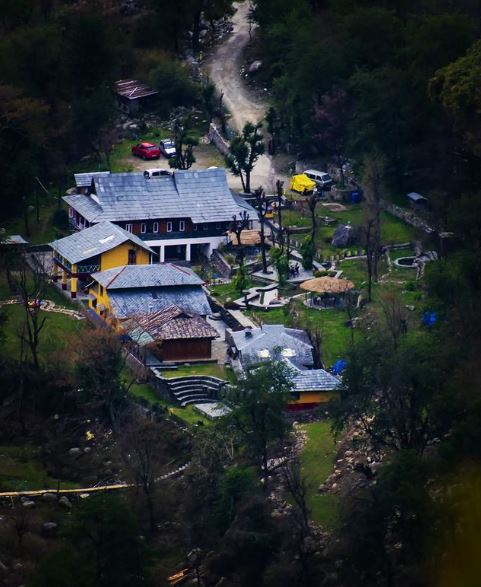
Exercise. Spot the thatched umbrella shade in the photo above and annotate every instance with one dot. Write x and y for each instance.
(327, 285)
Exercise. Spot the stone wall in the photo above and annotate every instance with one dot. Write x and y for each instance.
(221, 264)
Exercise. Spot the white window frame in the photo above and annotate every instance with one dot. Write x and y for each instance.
(155, 227)
(169, 226)
(70, 212)
(181, 225)
(143, 227)
(129, 227)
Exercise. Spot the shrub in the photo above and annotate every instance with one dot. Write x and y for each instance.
(60, 219)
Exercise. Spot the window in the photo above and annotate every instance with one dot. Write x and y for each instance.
(194, 227)
(70, 212)
(128, 227)
(143, 228)
(132, 257)
(101, 289)
(155, 227)
(205, 227)
(217, 226)
(169, 226)
(181, 225)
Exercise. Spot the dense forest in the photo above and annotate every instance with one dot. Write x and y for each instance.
(351, 82)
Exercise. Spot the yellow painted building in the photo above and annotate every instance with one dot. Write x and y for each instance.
(100, 247)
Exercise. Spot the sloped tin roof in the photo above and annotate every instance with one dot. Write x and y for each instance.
(140, 276)
(93, 241)
(202, 195)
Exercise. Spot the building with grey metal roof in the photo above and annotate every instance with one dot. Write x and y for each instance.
(181, 210)
(94, 241)
(276, 342)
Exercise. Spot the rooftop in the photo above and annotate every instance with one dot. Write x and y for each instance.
(171, 323)
(142, 276)
(202, 195)
(132, 89)
(94, 241)
(84, 180)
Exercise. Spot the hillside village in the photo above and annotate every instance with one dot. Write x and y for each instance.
(239, 296)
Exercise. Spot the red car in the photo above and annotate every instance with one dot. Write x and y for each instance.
(146, 151)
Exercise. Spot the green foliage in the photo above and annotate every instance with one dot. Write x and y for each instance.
(236, 482)
(244, 151)
(185, 139)
(102, 548)
(281, 263)
(174, 87)
(308, 250)
(241, 279)
(60, 219)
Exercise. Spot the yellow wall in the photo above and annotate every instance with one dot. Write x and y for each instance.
(120, 256)
(314, 397)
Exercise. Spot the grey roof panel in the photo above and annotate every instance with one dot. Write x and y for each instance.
(190, 298)
(94, 241)
(314, 380)
(139, 276)
(202, 195)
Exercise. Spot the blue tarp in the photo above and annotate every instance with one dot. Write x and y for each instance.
(339, 366)
(429, 318)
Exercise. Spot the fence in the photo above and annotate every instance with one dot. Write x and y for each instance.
(215, 137)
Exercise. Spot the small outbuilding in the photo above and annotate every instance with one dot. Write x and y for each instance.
(172, 335)
(133, 95)
(417, 201)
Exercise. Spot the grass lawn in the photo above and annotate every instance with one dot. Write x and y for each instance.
(210, 369)
(21, 470)
(317, 460)
(224, 292)
(56, 335)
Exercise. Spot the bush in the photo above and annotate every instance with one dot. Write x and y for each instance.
(174, 86)
(60, 219)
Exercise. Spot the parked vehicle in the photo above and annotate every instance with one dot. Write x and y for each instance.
(146, 151)
(167, 148)
(148, 173)
(302, 184)
(322, 179)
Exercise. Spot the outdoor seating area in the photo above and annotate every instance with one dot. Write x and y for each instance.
(326, 292)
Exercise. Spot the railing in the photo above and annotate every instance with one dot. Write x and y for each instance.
(196, 234)
(88, 268)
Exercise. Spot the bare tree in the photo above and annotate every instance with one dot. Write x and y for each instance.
(280, 194)
(373, 184)
(19, 518)
(237, 225)
(316, 340)
(394, 316)
(262, 206)
(29, 284)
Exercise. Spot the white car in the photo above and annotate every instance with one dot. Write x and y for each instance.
(148, 173)
(322, 179)
(167, 148)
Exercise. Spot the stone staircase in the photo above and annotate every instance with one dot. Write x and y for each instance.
(200, 389)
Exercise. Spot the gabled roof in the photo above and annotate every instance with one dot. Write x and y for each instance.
(93, 241)
(133, 302)
(172, 323)
(314, 380)
(202, 195)
(261, 343)
(132, 89)
(141, 276)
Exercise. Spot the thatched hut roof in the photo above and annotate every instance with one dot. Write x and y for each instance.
(248, 238)
(327, 285)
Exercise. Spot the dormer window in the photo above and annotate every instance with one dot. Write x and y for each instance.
(143, 228)
(128, 227)
(169, 226)
(155, 228)
(181, 225)
(194, 227)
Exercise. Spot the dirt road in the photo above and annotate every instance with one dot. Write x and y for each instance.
(223, 68)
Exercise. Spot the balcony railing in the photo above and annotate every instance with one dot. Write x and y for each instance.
(200, 234)
(88, 268)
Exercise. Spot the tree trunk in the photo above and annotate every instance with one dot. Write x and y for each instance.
(263, 247)
(196, 32)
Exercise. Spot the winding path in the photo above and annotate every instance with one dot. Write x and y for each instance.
(223, 68)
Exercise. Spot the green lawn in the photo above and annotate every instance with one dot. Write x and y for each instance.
(224, 292)
(210, 369)
(317, 460)
(21, 470)
(56, 335)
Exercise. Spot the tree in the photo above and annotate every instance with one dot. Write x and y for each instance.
(308, 249)
(262, 206)
(241, 280)
(244, 151)
(280, 202)
(258, 402)
(29, 285)
(456, 88)
(373, 184)
(237, 225)
(99, 365)
(185, 140)
(331, 116)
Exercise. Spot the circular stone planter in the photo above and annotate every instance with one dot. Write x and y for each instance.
(406, 262)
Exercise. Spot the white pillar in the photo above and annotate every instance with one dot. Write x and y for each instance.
(187, 252)
(162, 254)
